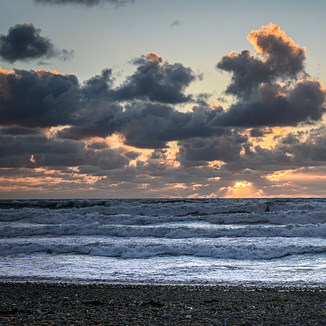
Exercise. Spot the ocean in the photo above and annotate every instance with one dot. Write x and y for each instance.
(165, 241)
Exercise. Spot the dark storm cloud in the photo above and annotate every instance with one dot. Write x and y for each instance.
(42, 99)
(45, 99)
(99, 85)
(156, 81)
(141, 108)
(14, 131)
(84, 2)
(306, 148)
(272, 87)
(37, 98)
(146, 124)
(277, 106)
(152, 125)
(24, 42)
(247, 72)
(198, 151)
(99, 115)
(279, 58)
(295, 150)
(290, 139)
(37, 150)
(17, 151)
(282, 55)
(258, 132)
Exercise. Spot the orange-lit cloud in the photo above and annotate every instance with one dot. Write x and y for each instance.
(154, 57)
(268, 38)
(300, 175)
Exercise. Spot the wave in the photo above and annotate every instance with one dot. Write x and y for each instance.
(173, 231)
(51, 204)
(226, 249)
(185, 206)
(156, 215)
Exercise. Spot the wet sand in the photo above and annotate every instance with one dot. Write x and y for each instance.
(44, 303)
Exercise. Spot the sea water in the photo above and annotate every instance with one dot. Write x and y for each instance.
(210, 241)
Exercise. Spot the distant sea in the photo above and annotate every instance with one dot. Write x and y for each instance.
(186, 241)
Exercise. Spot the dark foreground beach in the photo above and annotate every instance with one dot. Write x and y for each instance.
(41, 303)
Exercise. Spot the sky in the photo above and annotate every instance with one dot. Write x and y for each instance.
(162, 99)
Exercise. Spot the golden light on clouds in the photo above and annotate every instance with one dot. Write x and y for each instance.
(44, 180)
(154, 57)
(214, 179)
(216, 164)
(6, 72)
(42, 72)
(298, 175)
(272, 30)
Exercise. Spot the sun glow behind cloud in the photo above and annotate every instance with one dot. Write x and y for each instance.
(241, 189)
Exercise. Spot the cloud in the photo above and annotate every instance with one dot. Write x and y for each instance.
(151, 125)
(278, 105)
(88, 3)
(130, 139)
(278, 58)
(52, 121)
(175, 23)
(34, 151)
(282, 54)
(271, 87)
(24, 42)
(199, 151)
(38, 98)
(156, 81)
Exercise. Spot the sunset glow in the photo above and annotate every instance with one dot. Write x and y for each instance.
(236, 111)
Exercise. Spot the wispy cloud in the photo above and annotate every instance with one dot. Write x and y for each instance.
(176, 23)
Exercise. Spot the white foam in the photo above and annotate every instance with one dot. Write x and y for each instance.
(165, 230)
(229, 234)
(226, 248)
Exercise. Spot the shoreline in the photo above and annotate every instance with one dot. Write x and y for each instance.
(65, 303)
(244, 284)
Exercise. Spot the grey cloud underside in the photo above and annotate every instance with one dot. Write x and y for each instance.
(84, 2)
(198, 151)
(38, 99)
(24, 42)
(16, 151)
(305, 102)
(43, 99)
(157, 83)
(291, 152)
(278, 59)
(270, 89)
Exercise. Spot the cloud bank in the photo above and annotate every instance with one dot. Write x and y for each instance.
(132, 138)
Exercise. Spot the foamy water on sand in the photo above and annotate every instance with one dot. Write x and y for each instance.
(273, 241)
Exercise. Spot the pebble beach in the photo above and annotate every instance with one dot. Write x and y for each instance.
(46, 303)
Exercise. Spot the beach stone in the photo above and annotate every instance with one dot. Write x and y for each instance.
(113, 304)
